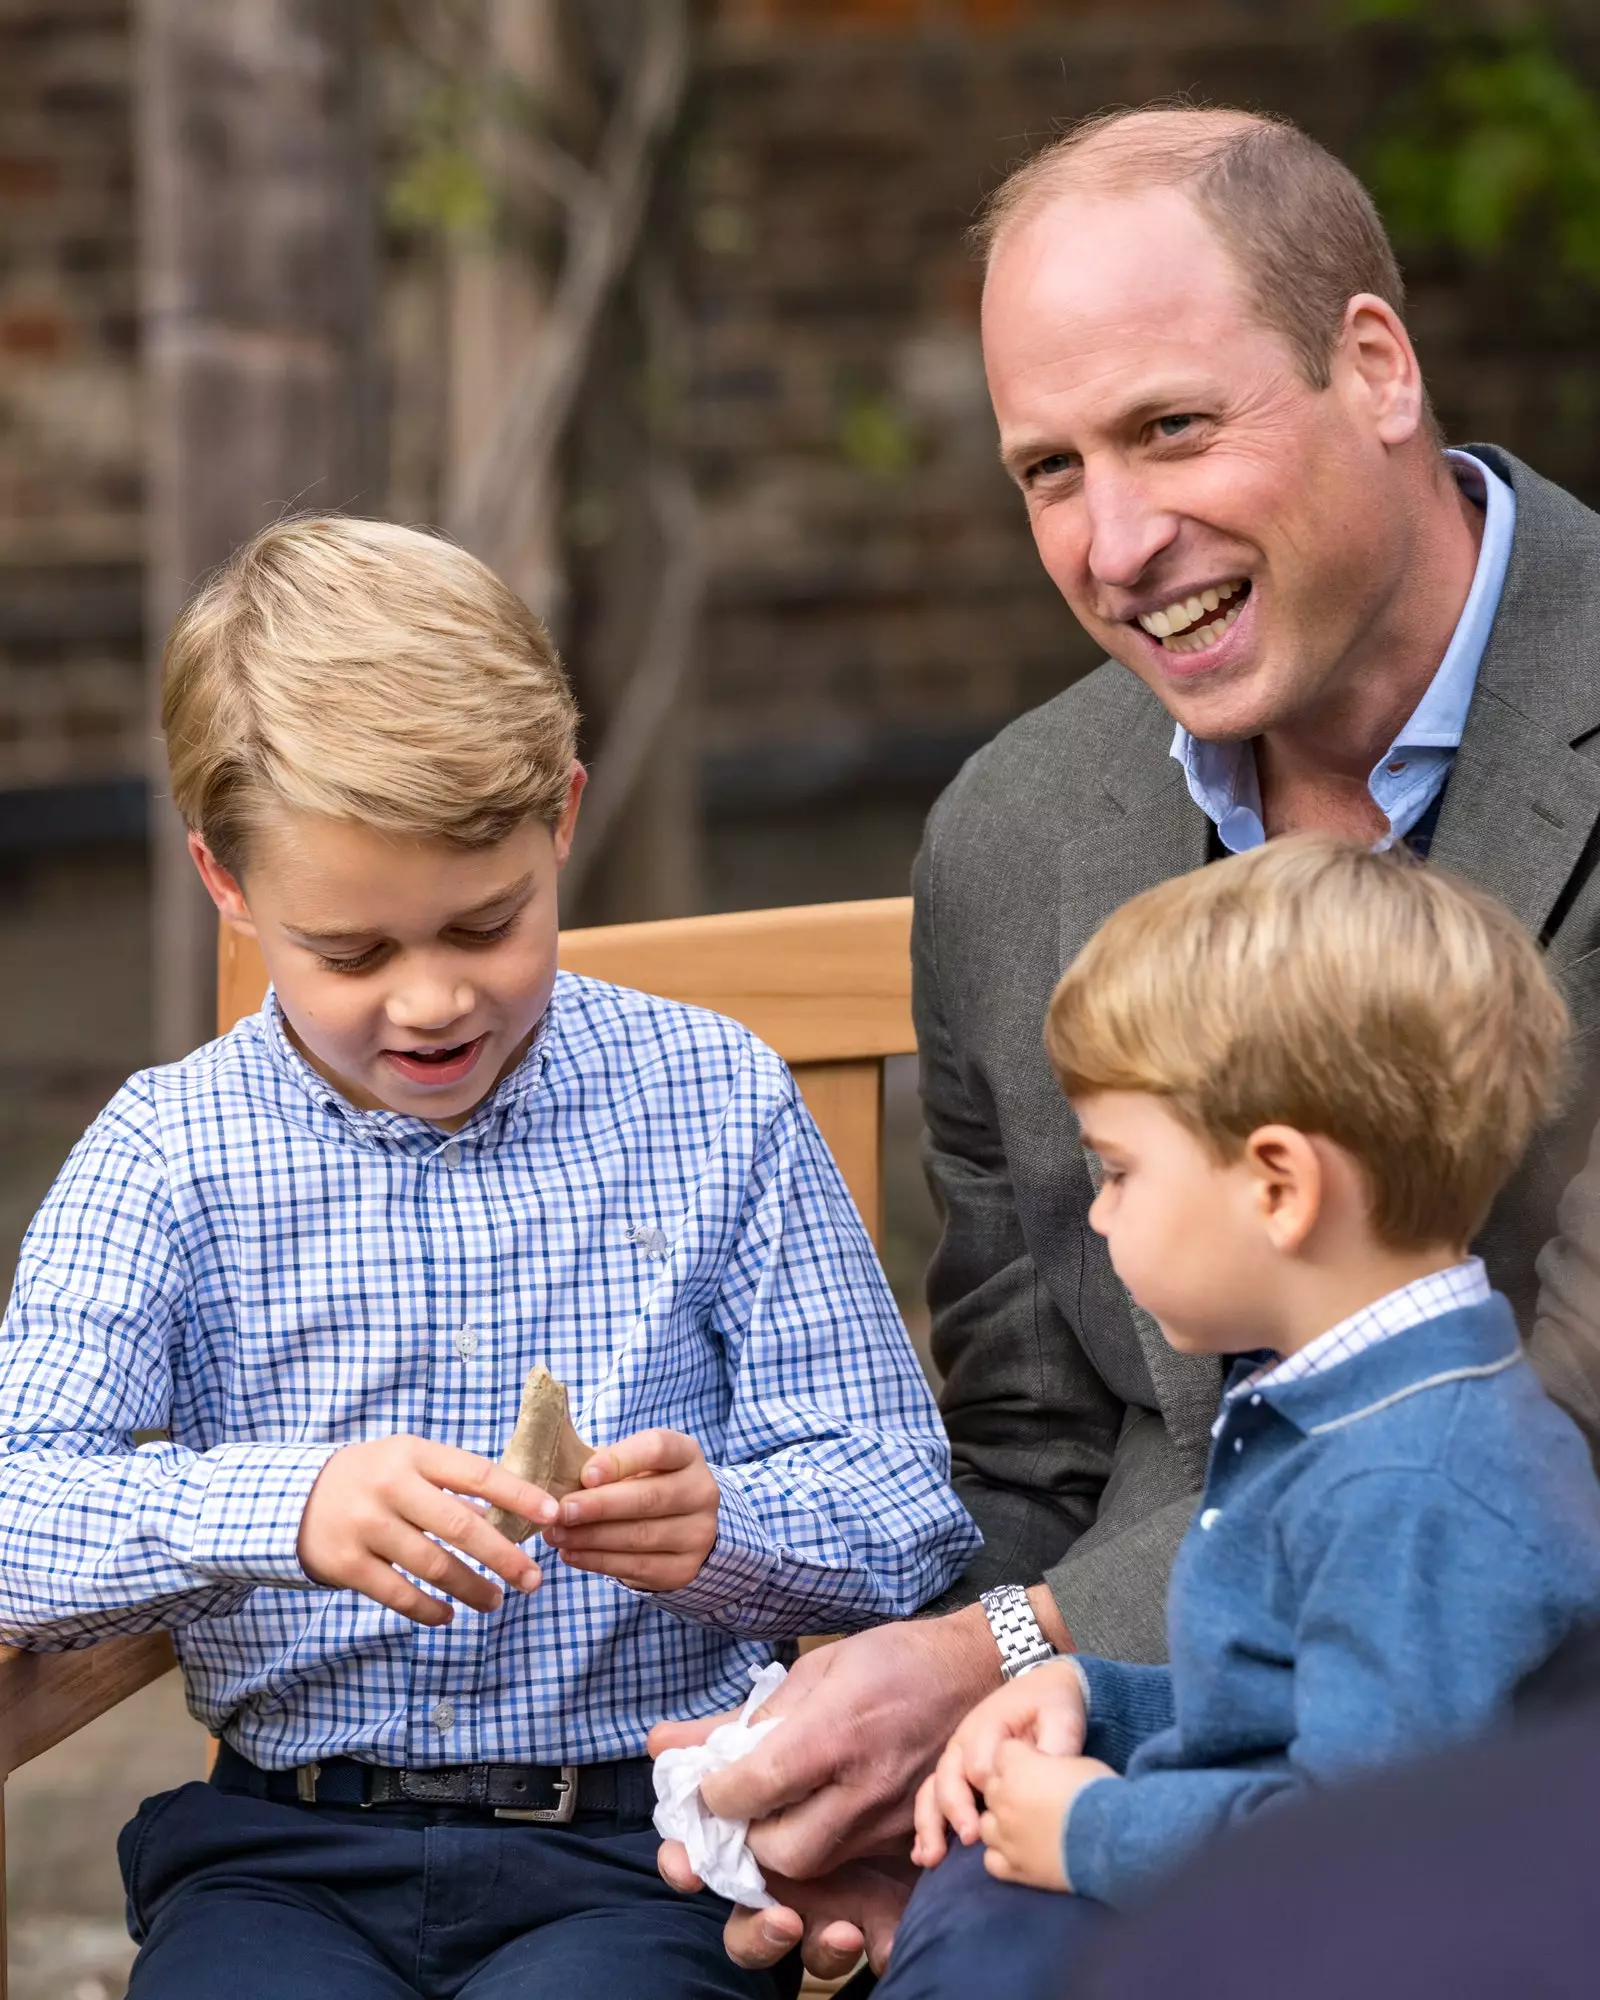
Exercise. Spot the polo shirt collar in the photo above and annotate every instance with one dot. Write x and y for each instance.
(1457, 1346)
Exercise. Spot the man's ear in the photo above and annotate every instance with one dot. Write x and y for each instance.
(1381, 366)
(1287, 1176)
(221, 887)
(561, 833)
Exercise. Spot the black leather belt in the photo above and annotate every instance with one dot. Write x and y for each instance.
(540, 1794)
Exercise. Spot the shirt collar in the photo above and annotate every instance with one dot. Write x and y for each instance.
(1462, 1342)
(489, 1122)
(1222, 776)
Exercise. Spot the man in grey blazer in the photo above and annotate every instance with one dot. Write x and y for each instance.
(1314, 618)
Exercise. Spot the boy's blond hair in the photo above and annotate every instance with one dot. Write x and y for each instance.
(366, 672)
(1356, 995)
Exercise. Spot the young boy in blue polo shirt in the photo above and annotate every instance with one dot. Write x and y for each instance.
(322, 1254)
(1306, 1072)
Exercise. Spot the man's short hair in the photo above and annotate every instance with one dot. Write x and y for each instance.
(1351, 994)
(366, 672)
(1299, 225)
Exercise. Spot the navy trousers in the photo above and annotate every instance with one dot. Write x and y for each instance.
(250, 1900)
(965, 1935)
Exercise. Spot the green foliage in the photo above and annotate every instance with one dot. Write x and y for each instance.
(1499, 146)
(875, 437)
(440, 184)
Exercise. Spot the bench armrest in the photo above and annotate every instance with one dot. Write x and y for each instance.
(46, 1697)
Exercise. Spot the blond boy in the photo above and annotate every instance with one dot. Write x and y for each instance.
(1305, 1072)
(321, 1255)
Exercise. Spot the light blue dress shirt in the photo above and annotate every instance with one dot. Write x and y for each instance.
(1411, 773)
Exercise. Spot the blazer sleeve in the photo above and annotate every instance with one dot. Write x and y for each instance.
(1030, 1465)
(1564, 1345)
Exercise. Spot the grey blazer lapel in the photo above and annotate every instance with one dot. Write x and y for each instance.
(1151, 830)
(1522, 803)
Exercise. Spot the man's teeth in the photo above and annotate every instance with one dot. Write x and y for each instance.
(1177, 625)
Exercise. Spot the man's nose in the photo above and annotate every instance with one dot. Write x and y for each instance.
(424, 1001)
(1127, 528)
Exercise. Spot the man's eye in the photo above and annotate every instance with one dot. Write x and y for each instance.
(1174, 426)
(1047, 468)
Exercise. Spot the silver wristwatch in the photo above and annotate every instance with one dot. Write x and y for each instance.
(1016, 1631)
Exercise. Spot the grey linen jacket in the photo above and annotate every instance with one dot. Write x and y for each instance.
(1079, 1437)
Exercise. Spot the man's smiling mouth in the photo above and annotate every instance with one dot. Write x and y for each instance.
(1191, 624)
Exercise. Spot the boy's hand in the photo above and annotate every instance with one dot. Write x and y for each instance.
(648, 1515)
(1026, 1801)
(376, 1507)
(1043, 1708)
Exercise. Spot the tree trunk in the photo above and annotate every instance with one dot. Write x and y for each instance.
(258, 244)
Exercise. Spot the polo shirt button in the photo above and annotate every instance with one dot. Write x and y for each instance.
(444, 1716)
(467, 1342)
(1255, 1402)
(1210, 1518)
(1238, 1444)
(451, 1155)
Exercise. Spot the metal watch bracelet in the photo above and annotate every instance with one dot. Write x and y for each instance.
(1022, 1644)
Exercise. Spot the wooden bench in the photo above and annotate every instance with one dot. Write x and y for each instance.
(828, 986)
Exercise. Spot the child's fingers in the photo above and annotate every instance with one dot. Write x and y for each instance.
(422, 1505)
(628, 1499)
(928, 1848)
(954, 1794)
(1058, 1732)
(998, 1866)
(671, 1537)
(645, 1451)
(422, 1557)
(375, 1579)
(453, 1471)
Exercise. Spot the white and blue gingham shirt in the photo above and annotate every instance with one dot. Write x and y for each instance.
(1451, 1290)
(236, 1256)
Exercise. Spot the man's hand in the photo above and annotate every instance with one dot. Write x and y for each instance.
(377, 1507)
(648, 1515)
(1026, 1802)
(864, 1721)
(1043, 1708)
(833, 1919)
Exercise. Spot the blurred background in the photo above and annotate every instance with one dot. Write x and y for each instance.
(665, 310)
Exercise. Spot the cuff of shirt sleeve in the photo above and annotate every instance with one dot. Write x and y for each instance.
(1079, 1818)
(247, 1526)
(737, 1569)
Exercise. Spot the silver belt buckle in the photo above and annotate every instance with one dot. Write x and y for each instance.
(556, 1815)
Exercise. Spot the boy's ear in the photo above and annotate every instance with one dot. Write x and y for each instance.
(1287, 1173)
(223, 888)
(561, 833)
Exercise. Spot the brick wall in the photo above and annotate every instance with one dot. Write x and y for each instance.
(876, 606)
(71, 706)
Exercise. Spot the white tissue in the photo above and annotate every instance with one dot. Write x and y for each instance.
(717, 1849)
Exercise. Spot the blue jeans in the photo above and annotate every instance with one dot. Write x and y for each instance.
(250, 1900)
(965, 1936)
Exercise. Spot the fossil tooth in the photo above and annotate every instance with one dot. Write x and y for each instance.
(544, 1448)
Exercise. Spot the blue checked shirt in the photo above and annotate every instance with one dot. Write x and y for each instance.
(236, 1256)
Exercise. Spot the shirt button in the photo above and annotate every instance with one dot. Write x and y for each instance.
(1238, 1444)
(451, 1155)
(1255, 1402)
(1210, 1518)
(467, 1342)
(444, 1716)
